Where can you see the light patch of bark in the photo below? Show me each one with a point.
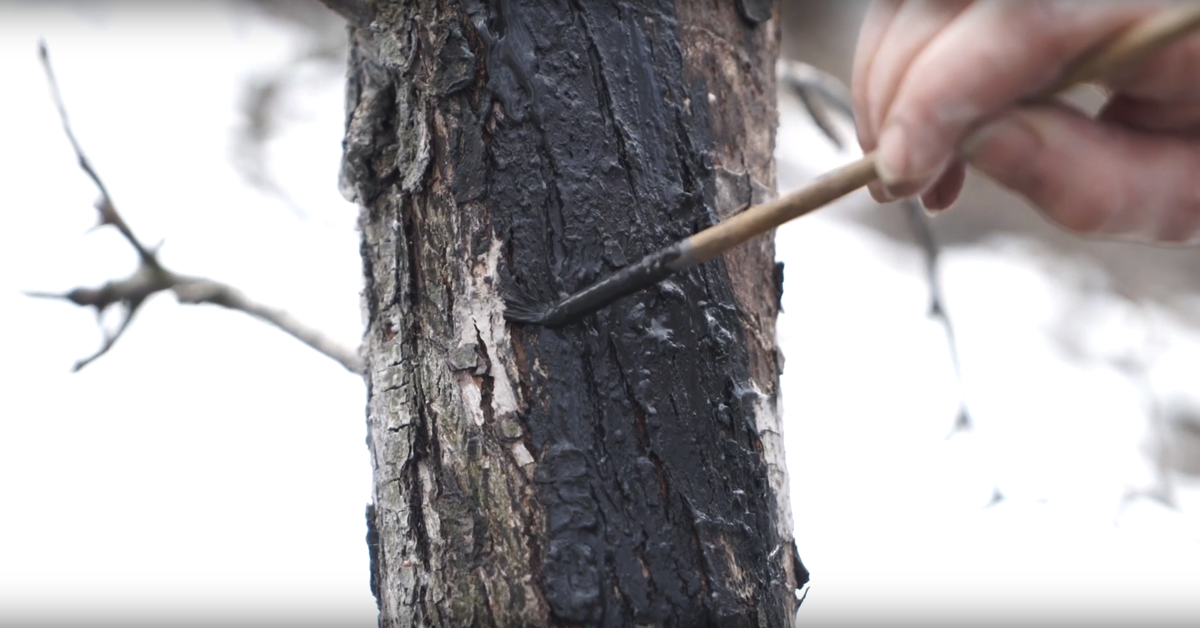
(768, 419)
(479, 315)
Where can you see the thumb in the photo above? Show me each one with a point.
(1093, 178)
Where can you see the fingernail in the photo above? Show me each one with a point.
(904, 164)
(935, 200)
(931, 204)
(892, 161)
(878, 193)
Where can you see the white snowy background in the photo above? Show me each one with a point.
(211, 467)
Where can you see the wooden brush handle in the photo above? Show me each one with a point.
(1144, 38)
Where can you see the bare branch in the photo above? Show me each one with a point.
(130, 292)
(109, 339)
(819, 91)
(918, 221)
(198, 290)
(152, 277)
(108, 212)
(321, 47)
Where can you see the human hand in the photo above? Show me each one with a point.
(938, 79)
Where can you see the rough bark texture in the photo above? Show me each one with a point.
(626, 470)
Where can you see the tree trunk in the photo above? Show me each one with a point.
(624, 470)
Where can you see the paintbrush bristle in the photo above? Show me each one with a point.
(525, 314)
(518, 308)
(645, 273)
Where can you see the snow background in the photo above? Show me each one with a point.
(157, 482)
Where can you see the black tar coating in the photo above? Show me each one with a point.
(642, 419)
(756, 11)
(645, 273)
(373, 552)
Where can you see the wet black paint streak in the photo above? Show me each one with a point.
(374, 554)
(590, 157)
(755, 11)
(646, 272)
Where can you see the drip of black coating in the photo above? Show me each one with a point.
(648, 271)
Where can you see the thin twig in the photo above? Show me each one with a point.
(322, 47)
(918, 221)
(109, 339)
(108, 213)
(818, 89)
(198, 290)
(152, 277)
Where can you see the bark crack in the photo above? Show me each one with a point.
(639, 414)
(487, 381)
(606, 101)
(410, 473)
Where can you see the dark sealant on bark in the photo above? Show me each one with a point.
(596, 150)
(632, 278)
(586, 148)
(756, 11)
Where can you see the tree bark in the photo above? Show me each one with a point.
(624, 470)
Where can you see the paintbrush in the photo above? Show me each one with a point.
(1136, 43)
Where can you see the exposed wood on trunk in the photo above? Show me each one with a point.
(624, 470)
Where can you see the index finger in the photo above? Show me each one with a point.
(992, 56)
